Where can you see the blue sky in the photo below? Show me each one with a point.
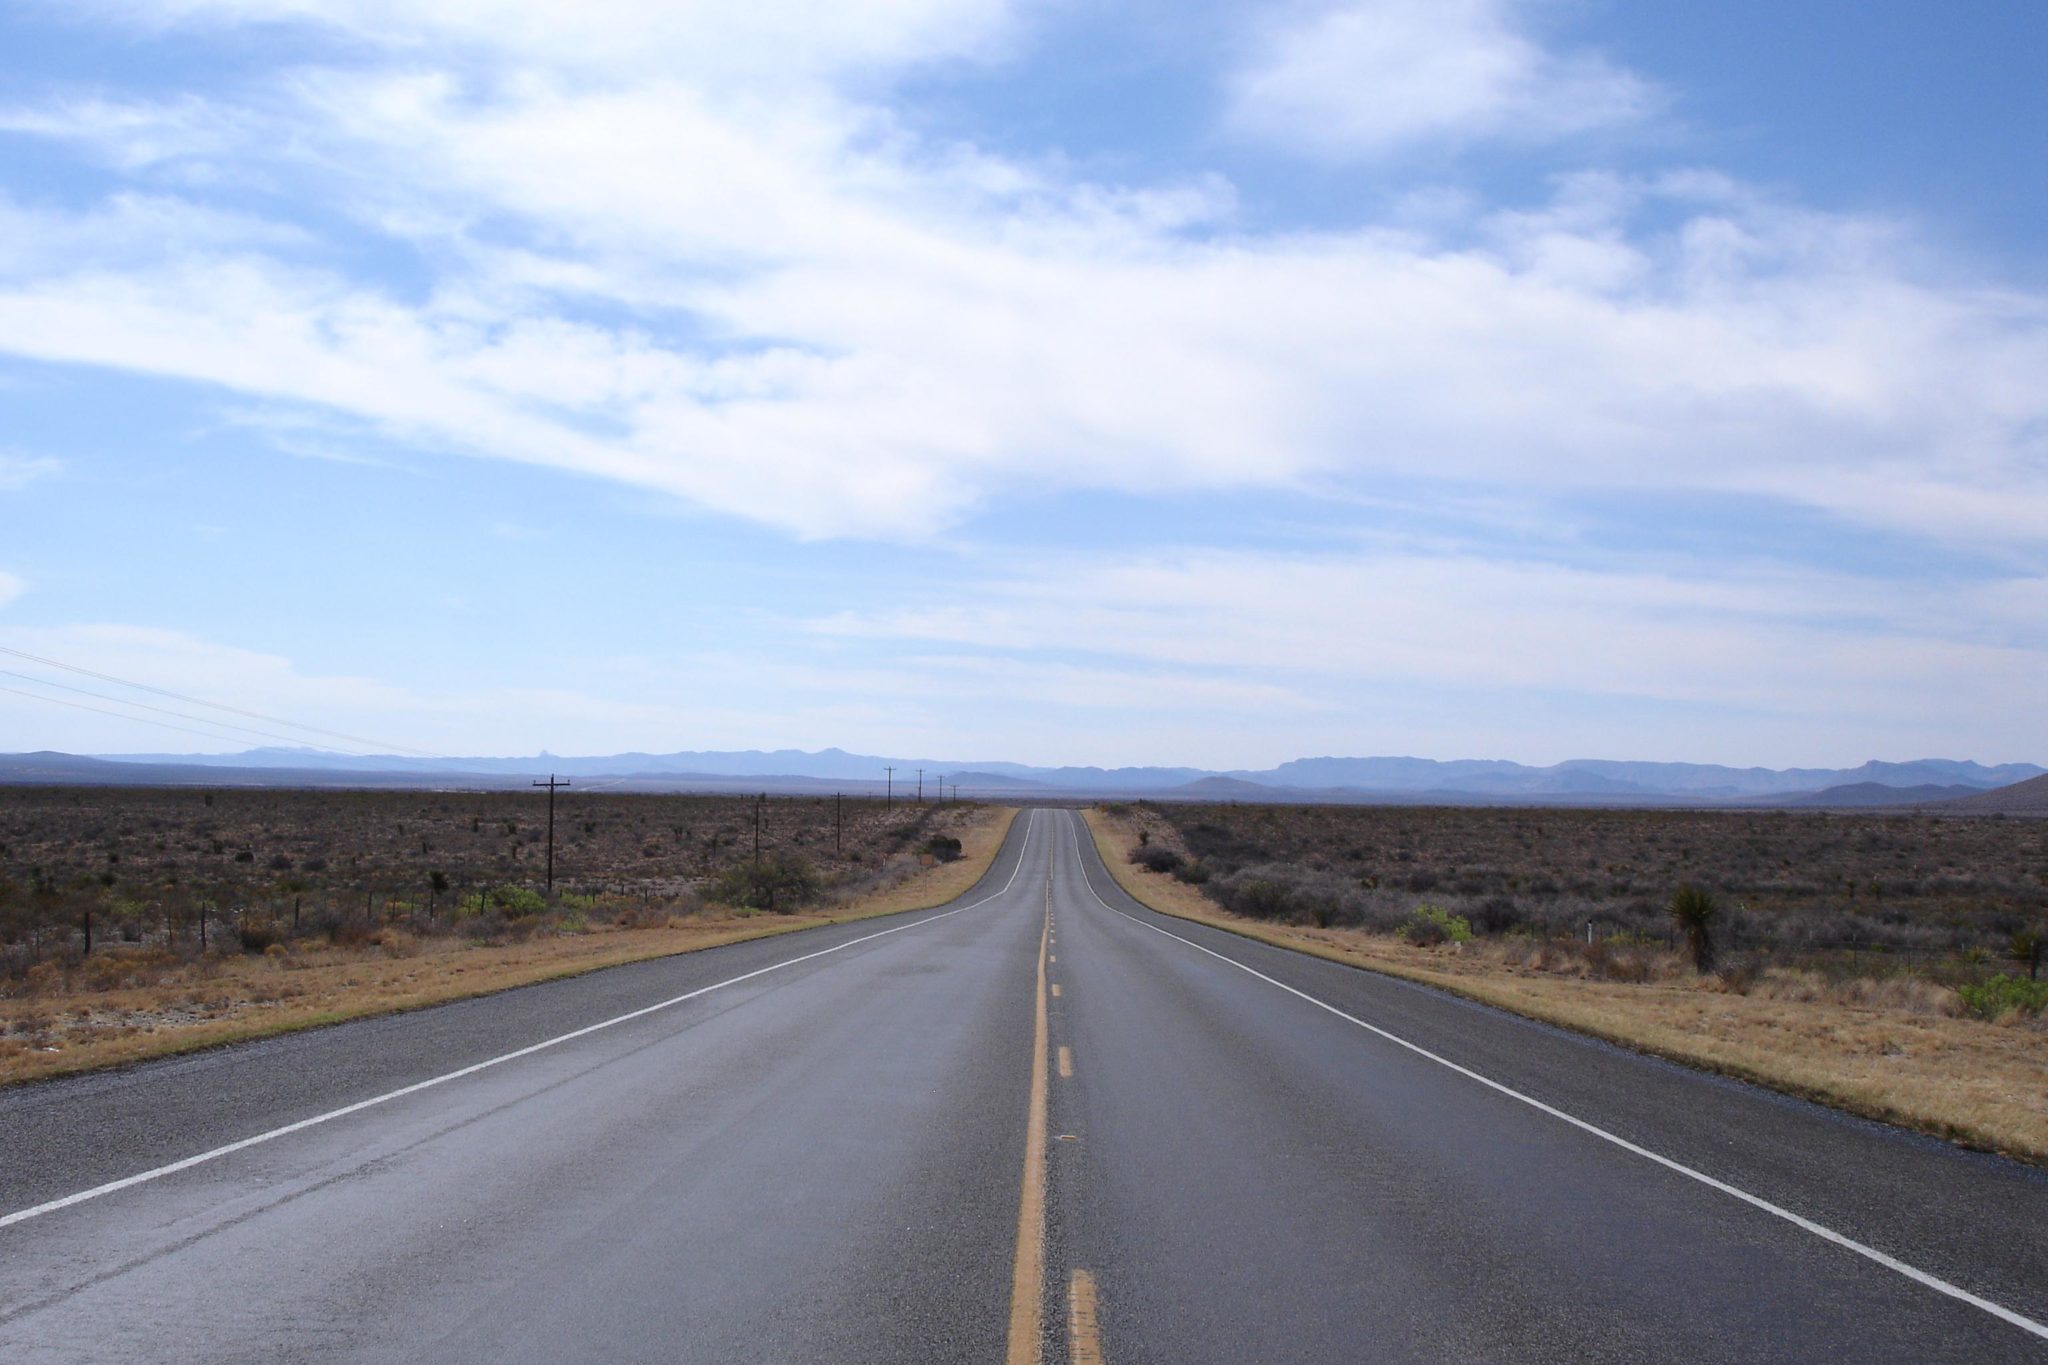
(1154, 383)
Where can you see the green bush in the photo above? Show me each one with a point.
(517, 900)
(1432, 924)
(781, 882)
(1993, 998)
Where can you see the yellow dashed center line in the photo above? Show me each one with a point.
(1084, 1335)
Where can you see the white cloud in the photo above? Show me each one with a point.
(1373, 77)
(742, 41)
(131, 136)
(11, 587)
(479, 720)
(1829, 650)
(791, 309)
(19, 471)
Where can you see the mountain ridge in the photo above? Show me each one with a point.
(1600, 780)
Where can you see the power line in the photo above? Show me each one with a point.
(375, 744)
(119, 715)
(160, 710)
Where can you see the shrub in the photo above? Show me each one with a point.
(1153, 858)
(943, 847)
(1431, 925)
(1194, 873)
(780, 882)
(1693, 912)
(1497, 915)
(1992, 999)
(1261, 899)
(1740, 977)
(259, 936)
(349, 931)
(517, 901)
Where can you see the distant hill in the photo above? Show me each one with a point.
(1595, 782)
(987, 782)
(1608, 777)
(2022, 798)
(1877, 794)
(1232, 789)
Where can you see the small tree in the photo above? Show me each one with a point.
(1693, 911)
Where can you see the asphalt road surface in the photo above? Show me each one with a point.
(1041, 1123)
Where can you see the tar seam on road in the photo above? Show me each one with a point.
(1827, 1234)
(1027, 1273)
(158, 1172)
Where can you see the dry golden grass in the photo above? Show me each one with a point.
(138, 1005)
(1888, 1050)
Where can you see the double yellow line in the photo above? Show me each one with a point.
(1027, 1273)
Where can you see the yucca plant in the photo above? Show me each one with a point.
(2029, 946)
(1694, 912)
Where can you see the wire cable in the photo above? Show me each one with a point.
(374, 744)
(121, 715)
(166, 711)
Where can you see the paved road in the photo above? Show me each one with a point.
(843, 1145)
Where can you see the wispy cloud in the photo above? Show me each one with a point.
(838, 334)
(709, 252)
(19, 471)
(1765, 640)
(1368, 78)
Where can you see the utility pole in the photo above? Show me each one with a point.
(920, 786)
(551, 784)
(889, 791)
(836, 849)
(757, 827)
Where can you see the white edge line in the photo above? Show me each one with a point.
(215, 1154)
(1934, 1282)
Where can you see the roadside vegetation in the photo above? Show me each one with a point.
(136, 922)
(1887, 964)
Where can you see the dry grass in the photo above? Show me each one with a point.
(126, 1006)
(1940, 894)
(1893, 1049)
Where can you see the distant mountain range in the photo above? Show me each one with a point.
(1577, 781)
